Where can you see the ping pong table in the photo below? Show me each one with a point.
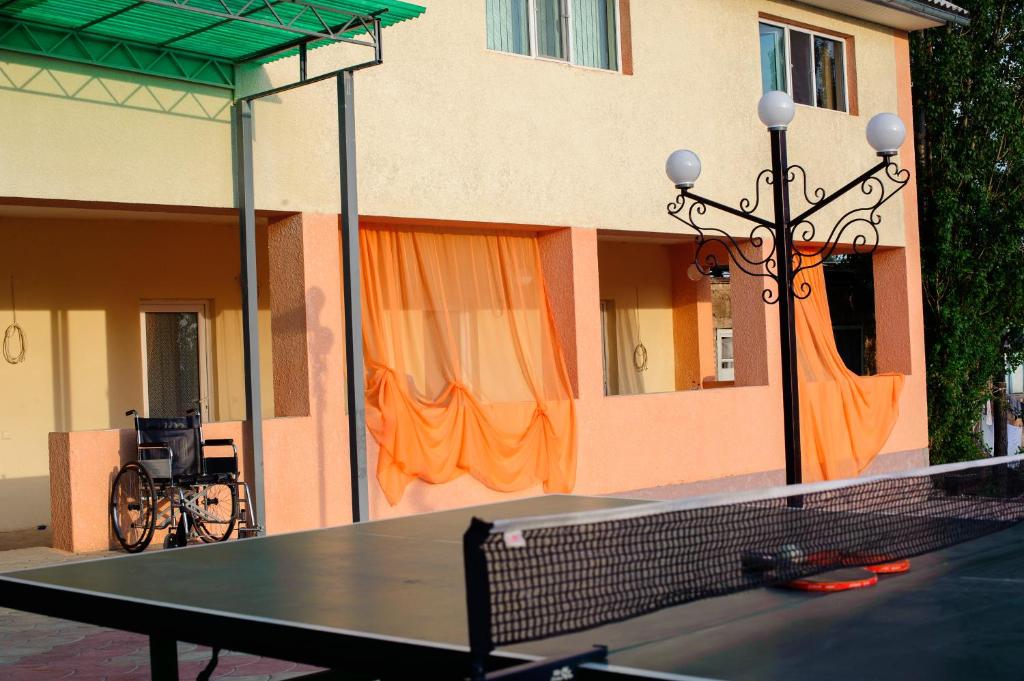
(386, 600)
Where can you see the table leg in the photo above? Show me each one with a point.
(163, 659)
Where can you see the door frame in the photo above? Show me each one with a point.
(201, 308)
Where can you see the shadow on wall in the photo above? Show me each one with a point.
(321, 340)
(27, 74)
(61, 370)
(21, 501)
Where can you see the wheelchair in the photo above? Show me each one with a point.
(173, 485)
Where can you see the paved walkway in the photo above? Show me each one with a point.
(36, 648)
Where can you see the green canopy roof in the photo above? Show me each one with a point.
(194, 40)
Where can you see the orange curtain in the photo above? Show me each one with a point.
(464, 373)
(845, 419)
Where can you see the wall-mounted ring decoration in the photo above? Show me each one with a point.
(640, 351)
(14, 336)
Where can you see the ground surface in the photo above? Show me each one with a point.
(36, 648)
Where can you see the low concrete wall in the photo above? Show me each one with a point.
(306, 485)
(884, 463)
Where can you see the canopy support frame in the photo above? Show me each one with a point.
(354, 365)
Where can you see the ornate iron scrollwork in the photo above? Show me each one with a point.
(863, 222)
(819, 193)
(756, 254)
(748, 206)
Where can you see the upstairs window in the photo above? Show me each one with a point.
(809, 66)
(580, 32)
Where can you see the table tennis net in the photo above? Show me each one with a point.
(534, 578)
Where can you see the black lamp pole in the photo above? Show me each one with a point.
(768, 249)
(787, 323)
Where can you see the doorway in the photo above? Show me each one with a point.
(175, 358)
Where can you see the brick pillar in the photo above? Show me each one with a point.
(288, 317)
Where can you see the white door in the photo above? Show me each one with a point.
(726, 363)
(175, 358)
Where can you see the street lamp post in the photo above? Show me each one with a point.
(768, 251)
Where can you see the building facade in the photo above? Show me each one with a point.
(121, 239)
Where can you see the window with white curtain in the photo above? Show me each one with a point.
(582, 32)
(809, 66)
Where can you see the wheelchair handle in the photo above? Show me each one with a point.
(131, 412)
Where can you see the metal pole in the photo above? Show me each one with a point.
(250, 297)
(356, 398)
(787, 328)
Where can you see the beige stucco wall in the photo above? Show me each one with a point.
(79, 285)
(72, 131)
(448, 129)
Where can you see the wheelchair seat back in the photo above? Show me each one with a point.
(180, 435)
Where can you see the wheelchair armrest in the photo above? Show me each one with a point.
(222, 442)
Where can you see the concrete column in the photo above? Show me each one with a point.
(692, 322)
(306, 462)
(892, 321)
(556, 255)
(751, 341)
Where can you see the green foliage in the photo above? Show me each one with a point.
(969, 105)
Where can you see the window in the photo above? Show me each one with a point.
(609, 359)
(816, 75)
(721, 319)
(582, 32)
(175, 362)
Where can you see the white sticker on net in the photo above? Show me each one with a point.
(514, 539)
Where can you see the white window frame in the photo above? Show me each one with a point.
(814, 79)
(201, 308)
(724, 373)
(606, 343)
(567, 34)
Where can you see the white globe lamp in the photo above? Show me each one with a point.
(683, 168)
(886, 133)
(776, 110)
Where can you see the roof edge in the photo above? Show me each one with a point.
(930, 10)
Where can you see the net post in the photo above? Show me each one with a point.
(478, 597)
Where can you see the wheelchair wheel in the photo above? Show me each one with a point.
(133, 507)
(219, 505)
